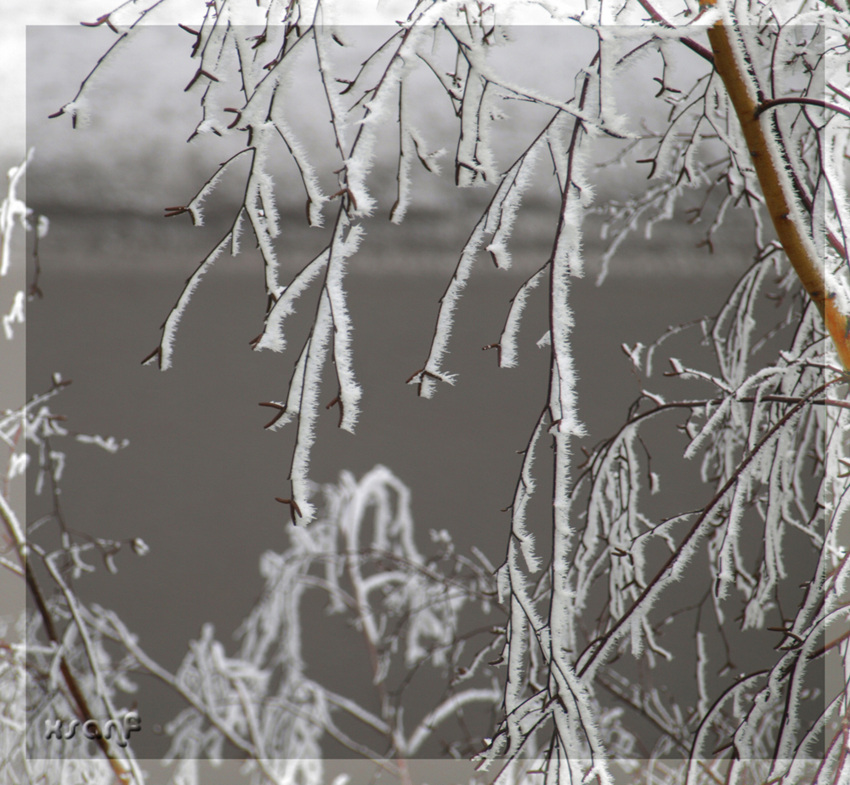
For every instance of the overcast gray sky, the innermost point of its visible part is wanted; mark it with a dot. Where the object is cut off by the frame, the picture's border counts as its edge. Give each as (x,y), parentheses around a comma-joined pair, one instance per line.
(17,14)
(133,152)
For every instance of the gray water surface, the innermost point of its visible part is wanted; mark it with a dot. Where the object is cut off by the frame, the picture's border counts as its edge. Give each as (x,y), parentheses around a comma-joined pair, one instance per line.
(198,479)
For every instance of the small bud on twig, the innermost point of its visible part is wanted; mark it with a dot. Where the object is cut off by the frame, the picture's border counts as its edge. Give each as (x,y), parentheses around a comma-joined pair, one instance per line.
(294,510)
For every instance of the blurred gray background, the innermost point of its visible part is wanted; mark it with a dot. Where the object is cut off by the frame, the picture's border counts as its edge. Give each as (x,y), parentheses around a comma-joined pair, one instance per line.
(199,477)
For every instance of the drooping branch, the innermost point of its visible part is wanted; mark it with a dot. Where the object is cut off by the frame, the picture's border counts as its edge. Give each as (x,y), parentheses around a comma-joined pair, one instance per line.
(602,649)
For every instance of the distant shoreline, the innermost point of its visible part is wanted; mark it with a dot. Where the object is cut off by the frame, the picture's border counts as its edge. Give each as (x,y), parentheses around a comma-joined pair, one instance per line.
(428,242)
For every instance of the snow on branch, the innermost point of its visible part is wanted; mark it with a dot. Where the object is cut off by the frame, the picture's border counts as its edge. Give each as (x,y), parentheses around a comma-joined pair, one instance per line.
(593,585)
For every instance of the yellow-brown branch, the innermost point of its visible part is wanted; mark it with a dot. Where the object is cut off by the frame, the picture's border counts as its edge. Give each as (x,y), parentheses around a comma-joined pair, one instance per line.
(769,165)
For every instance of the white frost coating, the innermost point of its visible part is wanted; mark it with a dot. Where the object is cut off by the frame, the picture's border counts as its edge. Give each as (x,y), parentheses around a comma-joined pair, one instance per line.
(169,330)
(686,553)
(309,410)
(370,518)
(405,162)
(524,492)
(195,206)
(741,47)
(652,643)
(236,233)
(775,517)
(517,644)
(296,385)
(668,150)
(338,111)
(262,95)
(629,545)
(490,221)
(521,588)
(273,337)
(729,562)
(79,111)
(360,161)
(501,221)
(508,339)
(359,165)
(834,145)
(345,243)
(579,727)
(609,523)
(315,196)
(774,694)
(448,708)
(711,426)
(445,320)
(261,207)
(411,145)
(16,314)
(613,61)
(473,159)
(702,749)
(566,262)
(110,443)
(18,463)
(727,407)
(12,210)
(590,121)
(574,716)
(518,587)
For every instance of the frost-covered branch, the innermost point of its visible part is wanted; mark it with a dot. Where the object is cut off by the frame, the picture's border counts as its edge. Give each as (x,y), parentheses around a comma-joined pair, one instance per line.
(593,582)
